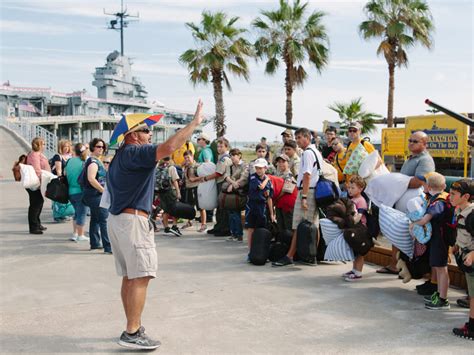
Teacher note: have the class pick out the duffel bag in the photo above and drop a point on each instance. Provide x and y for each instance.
(306, 240)
(358, 239)
(58, 190)
(183, 210)
(279, 248)
(232, 202)
(260, 247)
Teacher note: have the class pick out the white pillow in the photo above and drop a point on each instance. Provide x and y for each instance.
(368, 165)
(409, 194)
(387, 189)
(329, 230)
(339, 250)
(394, 225)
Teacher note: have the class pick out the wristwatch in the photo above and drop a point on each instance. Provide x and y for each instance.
(303, 197)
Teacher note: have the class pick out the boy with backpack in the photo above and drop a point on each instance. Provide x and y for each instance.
(461, 196)
(260, 197)
(434, 185)
(168, 191)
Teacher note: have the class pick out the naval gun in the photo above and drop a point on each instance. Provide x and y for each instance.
(285, 125)
(457, 116)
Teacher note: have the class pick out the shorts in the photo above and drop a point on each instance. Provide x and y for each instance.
(167, 200)
(312, 214)
(470, 285)
(79, 209)
(255, 216)
(133, 245)
(191, 197)
(438, 250)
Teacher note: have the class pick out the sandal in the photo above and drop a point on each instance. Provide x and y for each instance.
(387, 270)
(203, 228)
(187, 225)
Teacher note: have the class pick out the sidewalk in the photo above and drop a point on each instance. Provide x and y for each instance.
(56, 296)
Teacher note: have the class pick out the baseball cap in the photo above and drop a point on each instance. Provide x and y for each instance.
(282, 156)
(288, 132)
(355, 125)
(260, 163)
(204, 136)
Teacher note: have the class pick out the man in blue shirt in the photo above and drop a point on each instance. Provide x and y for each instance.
(130, 182)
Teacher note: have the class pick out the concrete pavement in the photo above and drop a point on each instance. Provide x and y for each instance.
(56, 296)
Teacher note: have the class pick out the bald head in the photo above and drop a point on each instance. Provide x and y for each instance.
(418, 142)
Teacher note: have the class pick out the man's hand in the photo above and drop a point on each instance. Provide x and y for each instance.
(304, 204)
(198, 116)
(229, 188)
(469, 259)
(455, 249)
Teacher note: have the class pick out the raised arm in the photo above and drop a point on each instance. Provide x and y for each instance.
(178, 139)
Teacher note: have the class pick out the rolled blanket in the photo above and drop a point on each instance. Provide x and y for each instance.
(339, 250)
(387, 189)
(395, 227)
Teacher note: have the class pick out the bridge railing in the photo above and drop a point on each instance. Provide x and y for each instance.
(28, 131)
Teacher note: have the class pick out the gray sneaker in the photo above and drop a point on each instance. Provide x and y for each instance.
(139, 341)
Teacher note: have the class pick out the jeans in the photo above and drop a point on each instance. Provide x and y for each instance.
(79, 209)
(34, 211)
(98, 222)
(235, 223)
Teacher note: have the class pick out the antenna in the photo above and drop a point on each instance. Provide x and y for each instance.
(119, 22)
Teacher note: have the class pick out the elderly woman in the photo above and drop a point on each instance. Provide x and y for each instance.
(94, 182)
(38, 161)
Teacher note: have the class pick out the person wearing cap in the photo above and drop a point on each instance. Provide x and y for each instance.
(419, 163)
(205, 154)
(259, 198)
(287, 135)
(290, 149)
(261, 152)
(305, 206)
(284, 219)
(221, 228)
(354, 132)
(461, 195)
(130, 183)
(327, 150)
(283, 167)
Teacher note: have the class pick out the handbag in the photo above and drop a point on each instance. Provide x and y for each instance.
(58, 190)
(288, 186)
(29, 179)
(232, 202)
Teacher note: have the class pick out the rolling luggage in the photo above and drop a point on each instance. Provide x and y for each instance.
(183, 210)
(260, 247)
(306, 240)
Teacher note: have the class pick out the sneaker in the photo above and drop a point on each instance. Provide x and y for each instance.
(82, 238)
(353, 277)
(427, 290)
(432, 298)
(139, 341)
(169, 231)
(308, 262)
(463, 302)
(285, 261)
(425, 284)
(239, 239)
(203, 228)
(231, 239)
(464, 332)
(347, 274)
(176, 229)
(73, 238)
(189, 224)
(211, 231)
(438, 304)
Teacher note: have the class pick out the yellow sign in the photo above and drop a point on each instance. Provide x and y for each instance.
(393, 141)
(447, 136)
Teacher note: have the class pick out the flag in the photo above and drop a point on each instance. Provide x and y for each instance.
(127, 122)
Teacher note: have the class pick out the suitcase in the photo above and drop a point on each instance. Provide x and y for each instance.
(260, 247)
(232, 202)
(279, 248)
(183, 210)
(358, 239)
(306, 240)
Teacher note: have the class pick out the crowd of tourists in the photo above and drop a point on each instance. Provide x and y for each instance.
(269, 197)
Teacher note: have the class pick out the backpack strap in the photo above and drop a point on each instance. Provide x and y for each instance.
(314, 164)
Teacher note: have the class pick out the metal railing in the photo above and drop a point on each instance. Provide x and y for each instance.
(28, 131)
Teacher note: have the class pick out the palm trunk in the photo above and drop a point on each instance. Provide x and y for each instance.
(289, 94)
(219, 124)
(391, 90)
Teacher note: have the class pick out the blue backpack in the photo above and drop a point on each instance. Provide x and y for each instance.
(326, 191)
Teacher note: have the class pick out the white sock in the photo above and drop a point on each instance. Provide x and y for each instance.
(74, 235)
(357, 272)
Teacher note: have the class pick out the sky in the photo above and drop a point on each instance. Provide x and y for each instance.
(58, 44)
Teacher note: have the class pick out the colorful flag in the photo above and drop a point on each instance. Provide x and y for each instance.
(127, 122)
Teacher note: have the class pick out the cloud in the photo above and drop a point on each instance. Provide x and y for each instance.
(8, 26)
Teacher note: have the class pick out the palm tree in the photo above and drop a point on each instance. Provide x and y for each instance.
(288, 36)
(400, 24)
(354, 112)
(221, 50)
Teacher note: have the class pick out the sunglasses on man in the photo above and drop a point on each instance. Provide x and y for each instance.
(414, 141)
(144, 130)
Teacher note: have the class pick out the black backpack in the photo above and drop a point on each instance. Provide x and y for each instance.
(306, 241)
(163, 179)
(260, 247)
(279, 248)
(358, 239)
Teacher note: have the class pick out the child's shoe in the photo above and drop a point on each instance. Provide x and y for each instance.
(353, 277)
(438, 304)
(464, 332)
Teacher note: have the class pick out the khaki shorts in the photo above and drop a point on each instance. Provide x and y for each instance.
(133, 245)
(470, 285)
(311, 214)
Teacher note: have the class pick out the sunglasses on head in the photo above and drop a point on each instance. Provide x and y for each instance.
(414, 141)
